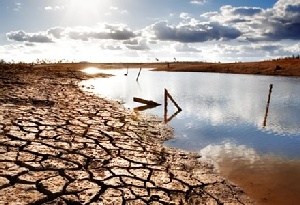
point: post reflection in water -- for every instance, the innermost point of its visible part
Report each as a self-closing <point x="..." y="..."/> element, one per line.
<point x="267" y="106"/>
<point x="167" y="96"/>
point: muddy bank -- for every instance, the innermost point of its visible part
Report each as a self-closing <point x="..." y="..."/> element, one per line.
<point x="59" y="145"/>
<point x="282" y="67"/>
<point x="285" y="67"/>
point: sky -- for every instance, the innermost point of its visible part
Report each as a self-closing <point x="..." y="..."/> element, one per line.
<point x="146" y="30"/>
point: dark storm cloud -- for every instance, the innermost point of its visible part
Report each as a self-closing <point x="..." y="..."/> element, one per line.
<point x="257" y="24"/>
<point x="293" y="8"/>
<point x="284" y="31"/>
<point x="284" y="21"/>
<point x="21" y="36"/>
<point x="192" y="33"/>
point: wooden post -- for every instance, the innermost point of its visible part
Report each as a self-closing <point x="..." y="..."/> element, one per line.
<point x="137" y="79"/>
<point x="267" y="106"/>
<point x="166" y="96"/>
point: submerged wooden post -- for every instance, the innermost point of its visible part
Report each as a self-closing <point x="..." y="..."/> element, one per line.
<point x="268" y="104"/>
<point x="166" y="96"/>
<point x="137" y="79"/>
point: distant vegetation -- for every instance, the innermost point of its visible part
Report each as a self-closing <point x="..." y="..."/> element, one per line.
<point x="45" y="61"/>
<point x="287" y="58"/>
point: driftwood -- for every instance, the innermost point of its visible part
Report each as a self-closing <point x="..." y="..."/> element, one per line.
<point x="147" y="102"/>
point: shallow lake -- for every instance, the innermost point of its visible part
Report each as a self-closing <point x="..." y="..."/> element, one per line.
<point x="250" y="133"/>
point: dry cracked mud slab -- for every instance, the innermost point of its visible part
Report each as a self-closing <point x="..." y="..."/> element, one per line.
<point x="59" y="145"/>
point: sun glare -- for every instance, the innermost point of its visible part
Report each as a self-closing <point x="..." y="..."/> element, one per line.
<point x="85" y="11"/>
<point x="91" y="70"/>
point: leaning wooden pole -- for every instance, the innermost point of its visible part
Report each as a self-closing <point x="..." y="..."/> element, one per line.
<point x="267" y="106"/>
<point x="168" y="95"/>
<point x="137" y="79"/>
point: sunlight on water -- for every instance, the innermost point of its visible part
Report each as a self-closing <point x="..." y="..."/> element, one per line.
<point x="92" y="70"/>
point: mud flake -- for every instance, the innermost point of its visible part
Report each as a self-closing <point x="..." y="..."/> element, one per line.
<point x="20" y="194"/>
<point x="10" y="168"/>
<point x="101" y="175"/>
<point x="54" y="184"/>
<point x="55" y="163"/>
<point x="37" y="175"/>
<point x="3" y="181"/>
<point x="8" y="156"/>
<point x="80" y="185"/>
<point x="42" y="149"/>
<point x="77" y="174"/>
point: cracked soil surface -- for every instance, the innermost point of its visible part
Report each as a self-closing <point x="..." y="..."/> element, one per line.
<point x="59" y="145"/>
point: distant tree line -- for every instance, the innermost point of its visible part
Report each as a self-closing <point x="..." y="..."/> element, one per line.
<point x="288" y="57"/>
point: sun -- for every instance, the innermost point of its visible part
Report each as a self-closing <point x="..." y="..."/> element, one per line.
<point x="85" y="11"/>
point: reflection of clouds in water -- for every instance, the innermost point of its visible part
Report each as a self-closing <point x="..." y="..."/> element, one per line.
<point x="283" y="120"/>
<point x="242" y="99"/>
<point x="216" y="99"/>
<point x="216" y="153"/>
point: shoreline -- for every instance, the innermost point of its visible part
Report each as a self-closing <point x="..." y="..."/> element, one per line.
<point x="281" y="67"/>
<point x="59" y="144"/>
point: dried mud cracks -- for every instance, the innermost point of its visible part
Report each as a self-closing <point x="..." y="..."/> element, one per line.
<point x="59" y="145"/>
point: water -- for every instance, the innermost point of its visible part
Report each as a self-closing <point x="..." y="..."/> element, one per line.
<point x="224" y="119"/>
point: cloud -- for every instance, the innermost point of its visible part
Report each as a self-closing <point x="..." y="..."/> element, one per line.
<point x="185" y="16"/>
<point x="56" y="32"/>
<point x="103" y="32"/>
<point x="257" y="24"/>
<point x="193" y="31"/>
<point x="21" y="36"/>
<point x="136" y="44"/>
<point x="54" y="8"/>
<point x="109" y="31"/>
<point x="179" y="47"/>
<point x="115" y="10"/>
<point x="113" y="47"/>
<point x="199" y="2"/>
<point x="18" y="6"/>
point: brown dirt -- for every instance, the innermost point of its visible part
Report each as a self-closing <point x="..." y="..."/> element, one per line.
<point x="60" y="145"/>
<point x="285" y="67"/>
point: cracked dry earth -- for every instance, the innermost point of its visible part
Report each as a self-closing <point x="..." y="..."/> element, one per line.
<point x="59" y="145"/>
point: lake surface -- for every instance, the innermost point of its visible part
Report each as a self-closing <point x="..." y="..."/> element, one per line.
<point x="252" y="135"/>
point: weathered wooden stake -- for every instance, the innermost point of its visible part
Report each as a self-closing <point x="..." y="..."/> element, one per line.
<point x="267" y="106"/>
<point x="137" y="79"/>
<point x="166" y="96"/>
